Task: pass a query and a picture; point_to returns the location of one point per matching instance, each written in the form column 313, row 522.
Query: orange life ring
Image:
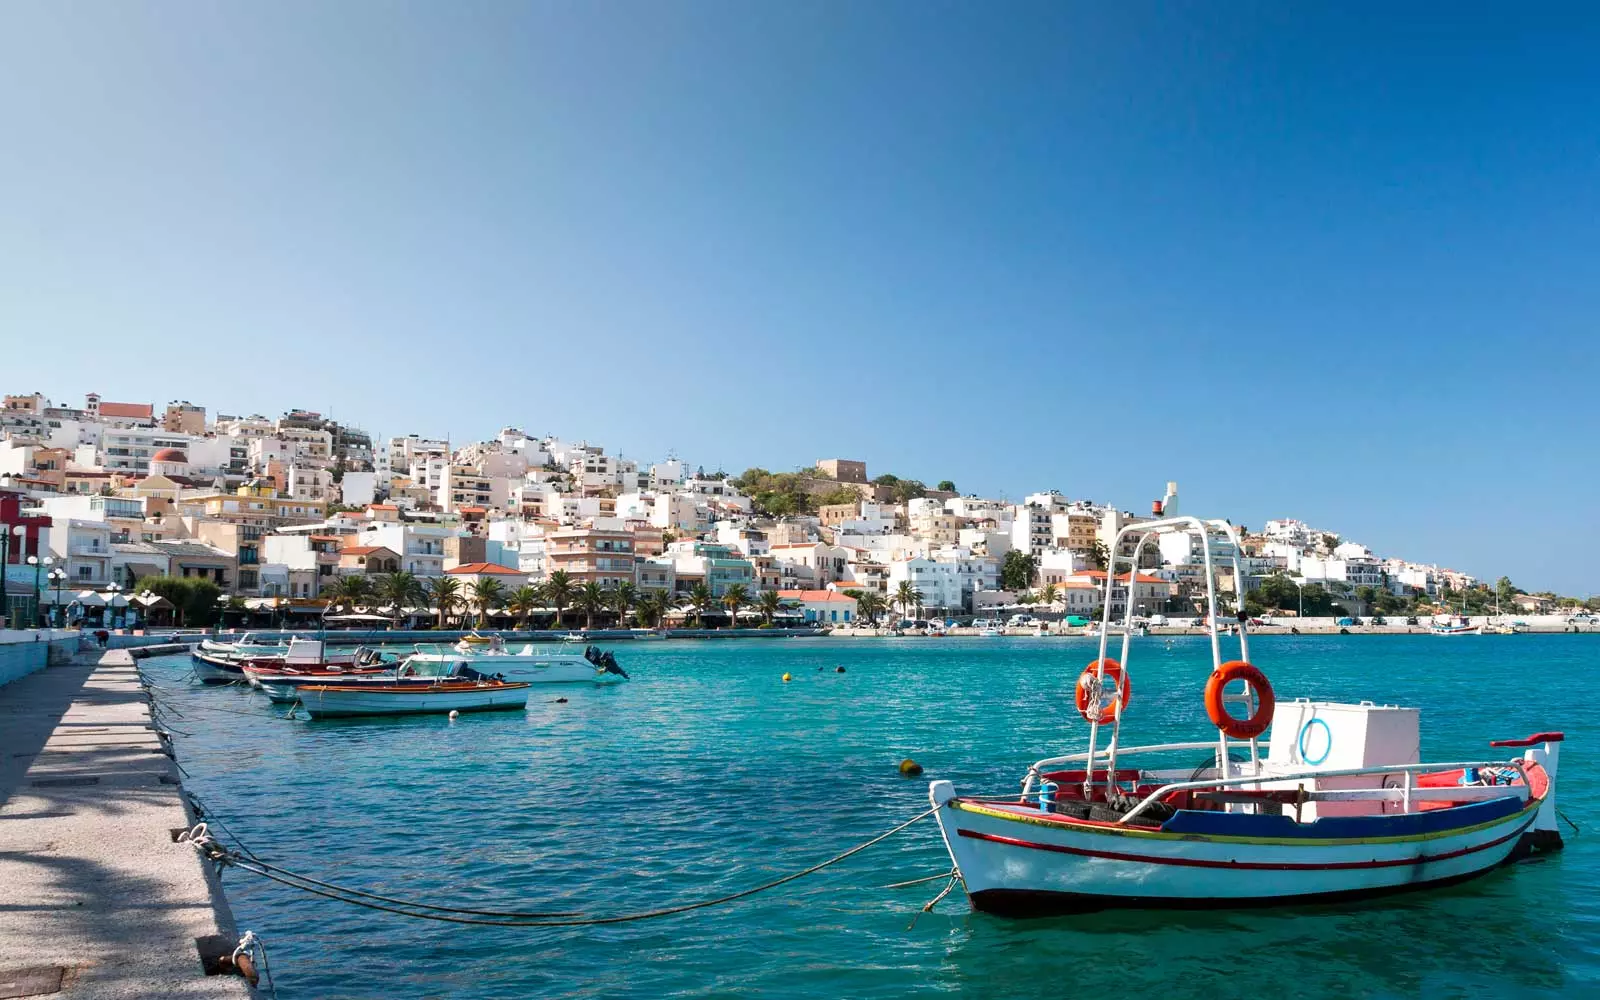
column 1257, row 723
column 1122, row 684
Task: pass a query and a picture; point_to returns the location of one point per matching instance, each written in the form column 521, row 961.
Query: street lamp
column 111, row 605
column 1300, row 585
column 58, row 577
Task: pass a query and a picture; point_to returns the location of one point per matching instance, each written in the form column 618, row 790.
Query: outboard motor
column 608, row 662
column 591, row 654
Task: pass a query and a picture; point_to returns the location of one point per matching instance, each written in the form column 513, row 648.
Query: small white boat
column 329, row 701
column 1337, row 805
column 525, row 665
column 573, row 637
column 1455, row 626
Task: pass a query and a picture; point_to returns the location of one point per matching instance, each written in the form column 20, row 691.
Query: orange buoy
column 1259, row 720
column 1091, row 696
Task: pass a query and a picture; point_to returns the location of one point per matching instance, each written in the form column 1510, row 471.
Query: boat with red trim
column 1335, row 804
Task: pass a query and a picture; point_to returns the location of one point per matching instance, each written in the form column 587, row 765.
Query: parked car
column 1348, row 621
column 1379, row 620
column 1411, row 620
column 1582, row 618
column 1021, row 621
column 1075, row 621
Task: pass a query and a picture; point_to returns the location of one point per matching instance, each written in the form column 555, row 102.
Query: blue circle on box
column 1327, row 735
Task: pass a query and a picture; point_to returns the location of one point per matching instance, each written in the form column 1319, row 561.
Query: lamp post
column 38, row 603
column 111, row 606
column 57, row 576
column 1300, row 585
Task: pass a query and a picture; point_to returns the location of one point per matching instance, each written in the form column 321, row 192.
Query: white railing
column 1406, row 794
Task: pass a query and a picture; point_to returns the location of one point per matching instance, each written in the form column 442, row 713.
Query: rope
column 955, row 876
column 214, row 851
column 1569, row 822
column 918, row 881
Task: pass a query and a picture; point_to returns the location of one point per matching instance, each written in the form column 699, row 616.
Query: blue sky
column 1335, row 264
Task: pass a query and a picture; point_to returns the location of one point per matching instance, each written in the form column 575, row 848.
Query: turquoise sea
column 708, row 774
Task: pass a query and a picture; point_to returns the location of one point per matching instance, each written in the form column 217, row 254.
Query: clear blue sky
column 1337, row 264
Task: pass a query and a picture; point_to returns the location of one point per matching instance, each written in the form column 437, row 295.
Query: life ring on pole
column 1092, row 690
column 1259, row 720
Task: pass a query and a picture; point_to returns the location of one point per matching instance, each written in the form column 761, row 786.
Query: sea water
column 707, row 774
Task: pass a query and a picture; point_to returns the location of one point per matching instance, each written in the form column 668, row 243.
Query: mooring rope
column 211, row 849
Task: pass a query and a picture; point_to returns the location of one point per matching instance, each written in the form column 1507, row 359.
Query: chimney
column 1155, row 507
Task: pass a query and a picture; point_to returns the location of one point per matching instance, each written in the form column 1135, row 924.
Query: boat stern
column 1543, row 749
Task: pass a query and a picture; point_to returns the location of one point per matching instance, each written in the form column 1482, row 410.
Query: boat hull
column 324, row 703
column 537, row 668
column 1019, row 865
column 212, row 669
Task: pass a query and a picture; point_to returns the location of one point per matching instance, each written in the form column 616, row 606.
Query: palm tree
column 444, row 593
column 591, row 598
column 869, row 605
column 699, row 600
column 769, row 604
column 487, row 593
column 734, row 598
column 559, row 590
column 650, row 607
column 1099, row 555
column 623, row 597
column 348, row 592
column 905, row 595
column 523, row 602
column 399, row 590
column 1048, row 594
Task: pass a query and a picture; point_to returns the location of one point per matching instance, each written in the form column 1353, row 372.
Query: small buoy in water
column 453, row 715
column 838, row 670
column 786, row 678
column 910, row 768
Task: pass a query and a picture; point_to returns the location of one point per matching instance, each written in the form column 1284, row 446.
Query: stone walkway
column 91, row 883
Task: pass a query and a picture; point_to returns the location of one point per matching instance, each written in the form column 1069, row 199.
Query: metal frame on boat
column 1340, row 806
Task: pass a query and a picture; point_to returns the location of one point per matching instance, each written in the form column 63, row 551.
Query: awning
column 152, row 602
column 90, row 599
column 138, row 570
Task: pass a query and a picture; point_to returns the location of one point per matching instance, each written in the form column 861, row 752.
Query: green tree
column 946, row 486
column 590, row 599
column 769, row 604
column 1048, row 594
column 523, row 602
column 623, row 598
column 559, row 590
column 651, row 607
column 869, row 605
column 444, row 593
column 734, row 598
column 1100, row 556
column 487, row 593
column 194, row 599
column 348, row 592
column 1505, row 592
column 700, row 601
column 907, row 596
column 399, row 591
column 1016, row 571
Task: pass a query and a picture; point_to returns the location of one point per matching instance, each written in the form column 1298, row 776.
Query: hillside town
column 103, row 503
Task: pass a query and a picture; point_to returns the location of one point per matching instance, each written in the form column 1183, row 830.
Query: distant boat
column 1455, row 626
column 525, row 665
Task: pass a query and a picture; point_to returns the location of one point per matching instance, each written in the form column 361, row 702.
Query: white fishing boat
column 1459, row 625
column 524, row 665
column 327, row 701
column 1335, row 805
column 573, row 637
column 247, row 645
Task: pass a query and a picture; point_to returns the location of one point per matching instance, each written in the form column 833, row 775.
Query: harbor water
column 708, row 774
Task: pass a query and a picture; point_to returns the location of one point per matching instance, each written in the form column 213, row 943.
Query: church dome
column 170, row 455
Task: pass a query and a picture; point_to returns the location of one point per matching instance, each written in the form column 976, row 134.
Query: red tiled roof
column 1100, row 574
column 142, row 411
column 473, row 510
column 360, row 550
column 815, row 595
column 480, row 568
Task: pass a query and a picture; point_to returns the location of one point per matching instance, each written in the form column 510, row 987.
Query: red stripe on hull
column 1240, row 865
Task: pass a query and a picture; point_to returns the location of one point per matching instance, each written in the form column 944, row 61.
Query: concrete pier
column 94, row 894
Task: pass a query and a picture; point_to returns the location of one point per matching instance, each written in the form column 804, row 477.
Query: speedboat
column 326, row 701
column 525, row 665
column 1335, row 804
column 572, row 637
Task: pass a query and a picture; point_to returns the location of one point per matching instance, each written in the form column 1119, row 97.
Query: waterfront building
column 605, row 557
column 821, row 607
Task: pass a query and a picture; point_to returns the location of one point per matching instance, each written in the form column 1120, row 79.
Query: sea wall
column 22, row 651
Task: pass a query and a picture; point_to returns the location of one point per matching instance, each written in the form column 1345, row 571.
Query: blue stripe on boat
column 1221, row 824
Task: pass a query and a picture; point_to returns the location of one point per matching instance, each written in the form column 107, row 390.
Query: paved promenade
column 91, row 883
